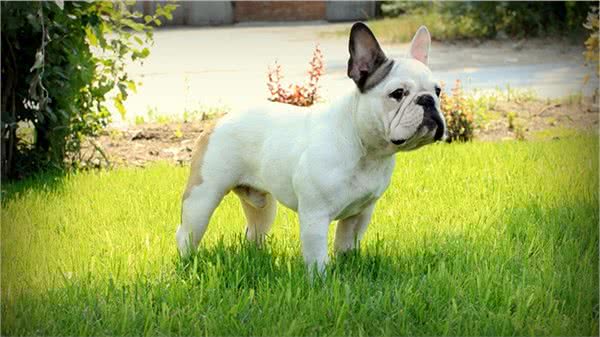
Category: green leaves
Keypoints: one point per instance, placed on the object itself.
(138, 27)
(165, 11)
(117, 19)
(119, 104)
(91, 37)
(131, 85)
(64, 60)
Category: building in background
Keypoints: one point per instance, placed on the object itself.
(203, 13)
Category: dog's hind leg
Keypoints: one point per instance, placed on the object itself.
(196, 211)
(260, 209)
(206, 187)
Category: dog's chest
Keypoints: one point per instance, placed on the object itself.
(356, 206)
(362, 189)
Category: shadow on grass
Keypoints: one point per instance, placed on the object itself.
(239, 264)
(242, 264)
(50, 181)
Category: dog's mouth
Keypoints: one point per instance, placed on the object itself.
(431, 130)
(421, 137)
(434, 125)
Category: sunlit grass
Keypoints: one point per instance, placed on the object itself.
(470, 239)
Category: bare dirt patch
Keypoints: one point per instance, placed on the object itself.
(142, 144)
(538, 119)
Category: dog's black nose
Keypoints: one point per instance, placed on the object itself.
(425, 101)
(398, 141)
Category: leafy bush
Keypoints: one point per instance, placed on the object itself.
(486, 19)
(297, 94)
(520, 19)
(458, 114)
(60, 64)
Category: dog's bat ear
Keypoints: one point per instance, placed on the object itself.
(419, 47)
(365, 54)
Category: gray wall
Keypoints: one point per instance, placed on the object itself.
(193, 13)
(350, 10)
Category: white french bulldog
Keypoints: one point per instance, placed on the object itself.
(327, 163)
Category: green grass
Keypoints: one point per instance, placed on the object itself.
(470, 239)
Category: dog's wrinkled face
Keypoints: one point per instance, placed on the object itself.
(399, 98)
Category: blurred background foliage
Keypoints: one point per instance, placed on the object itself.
(492, 19)
(592, 52)
(63, 64)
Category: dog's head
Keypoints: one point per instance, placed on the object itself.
(399, 99)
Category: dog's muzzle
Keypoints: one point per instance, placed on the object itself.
(432, 118)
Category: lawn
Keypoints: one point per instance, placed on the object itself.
(470, 239)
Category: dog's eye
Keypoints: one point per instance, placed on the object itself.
(438, 91)
(398, 94)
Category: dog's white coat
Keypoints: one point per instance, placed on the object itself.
(327, 163)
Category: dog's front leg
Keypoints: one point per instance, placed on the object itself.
(314, 228)
(350, 231)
